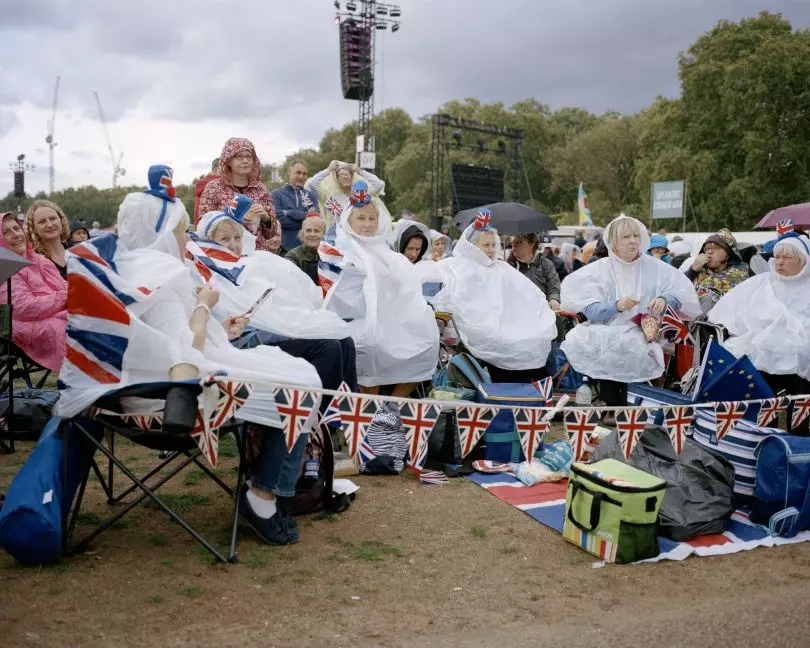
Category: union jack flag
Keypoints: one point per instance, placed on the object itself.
(801, 410)
(472, 422)
(545, 388)
(784, 226)
(356, 415)
(334, 207)
(333, 411)
(630, 423)
(419, 420)
(531, 429)
(678, 421)
(210, 258)
(360, 195)
(493, 467)
(294, 407)
(770, 409)
(673, 327)
(727, 415)
(580, 426)
(329, 265)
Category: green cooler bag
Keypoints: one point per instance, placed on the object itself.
(611, 510)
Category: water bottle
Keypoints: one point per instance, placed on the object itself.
(584, 395)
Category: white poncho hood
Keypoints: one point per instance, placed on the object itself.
(768, 317)
(393, 327)
(500, 315)
(616, 349)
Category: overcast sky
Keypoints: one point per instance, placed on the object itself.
(178, 77)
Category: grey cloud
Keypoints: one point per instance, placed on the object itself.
(8, 121)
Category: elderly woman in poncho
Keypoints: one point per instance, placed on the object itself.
(333, 186)
(610, 292)
(379, 292)
(292, 319)
(768, 317)
(501, 316)
(171, 327)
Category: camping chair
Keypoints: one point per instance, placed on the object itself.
(14, 365)
(163, 431)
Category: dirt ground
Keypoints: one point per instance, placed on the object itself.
(406, 565)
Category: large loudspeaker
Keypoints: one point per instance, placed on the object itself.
(474, 186)
(19, 184)
(356, 75)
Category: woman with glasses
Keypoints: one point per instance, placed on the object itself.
(240, 173)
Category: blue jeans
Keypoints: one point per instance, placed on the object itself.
(277, 470)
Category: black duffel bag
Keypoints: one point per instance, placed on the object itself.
(32, 411)
(700, 483)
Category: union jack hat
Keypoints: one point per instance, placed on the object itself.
(483, 220)
(360, 195)
(237, 208)
(784, 226)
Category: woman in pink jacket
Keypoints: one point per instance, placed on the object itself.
(38, 299)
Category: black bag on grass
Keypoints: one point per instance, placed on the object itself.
(313, 491)
(32, 411)
(700, 483)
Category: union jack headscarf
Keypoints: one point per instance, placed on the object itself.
(160, 185)
(360, 195)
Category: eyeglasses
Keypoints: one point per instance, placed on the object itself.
(244, 156)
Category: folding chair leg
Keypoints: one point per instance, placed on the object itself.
(240, 482)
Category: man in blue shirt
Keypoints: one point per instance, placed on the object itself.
(293, 203)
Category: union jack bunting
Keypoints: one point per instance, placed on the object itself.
(728, 414)
(673, 327)
(770, 409)
(580, 426)
(801, 409)
(333, 206)
(630, 424)
(544, 387)
(364, 454)
(356, 415)
(531, 429)
(210, 258)
(206, 438)
(232, 395)
(472, 423)
(294, 407)
(433, 477)
(333, 411)
(678, 421)
(145, 422)
(418, 419)
(784, 226)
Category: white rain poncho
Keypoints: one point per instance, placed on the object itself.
(616, 349)
(500, 315)
(435, 235)
(161, 337)
(393, 328)
(294, 310)
(768, 317)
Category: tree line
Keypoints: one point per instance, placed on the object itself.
(737, 133)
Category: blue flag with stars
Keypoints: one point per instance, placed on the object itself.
(726, 378)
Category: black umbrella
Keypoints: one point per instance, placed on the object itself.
(509, 218)
(10, 263)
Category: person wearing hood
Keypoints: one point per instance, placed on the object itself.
(572, 257)
(411, 239)
(379, 292)
(768, 317)
(610, 292)
(536, 267)
(717, 269)
(293, 204)
(305, 256)
(239, 172)
(440, 245)
(500, 317)
(171, 329)
(659, 248)
(78, 234)
(333, 186)
(38, 300)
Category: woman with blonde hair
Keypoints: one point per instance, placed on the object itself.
(334, 187)
(47, 230)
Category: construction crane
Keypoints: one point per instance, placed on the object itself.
(51, 141)
(116, 164)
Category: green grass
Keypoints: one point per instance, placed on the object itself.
(193, 477)
(193, 591)
(160, 539)
(259, 557)
(155, 599)
(180, 503)
(373, 551)
(479, 531)
(227, 447)
(88, 517)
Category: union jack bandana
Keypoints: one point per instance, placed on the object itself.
(784, 226)
(360, 195)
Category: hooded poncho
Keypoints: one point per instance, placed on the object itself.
(768, 317)
(500, 315)
(616, 349)
(379, 290)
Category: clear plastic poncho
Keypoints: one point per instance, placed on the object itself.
(393, 328)
(500, 315)
(768, 317)
(294, 310)
(616, 349)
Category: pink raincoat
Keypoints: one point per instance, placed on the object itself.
(39, 309)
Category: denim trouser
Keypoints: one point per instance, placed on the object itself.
(277, 470)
